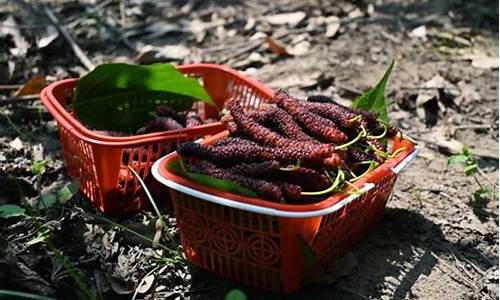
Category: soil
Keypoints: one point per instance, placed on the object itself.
(436, 240)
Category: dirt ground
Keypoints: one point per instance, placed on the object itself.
(435, 240)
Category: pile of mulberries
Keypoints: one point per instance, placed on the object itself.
(292, 150)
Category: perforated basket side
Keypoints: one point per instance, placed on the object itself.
(339, 231)
(233, 243)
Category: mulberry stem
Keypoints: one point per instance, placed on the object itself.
(392, 155)
(371, 167)
(376, 137)
(361, 134)
(335, 184)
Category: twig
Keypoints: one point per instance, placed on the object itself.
(472, 126)
(123, 17)
(10, 86)
(390, 37)
(19, 99)
(86, 62)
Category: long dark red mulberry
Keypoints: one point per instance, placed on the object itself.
(193, 119)
(333, 112)
(391, 131)
(283, 122)
(369, 119)
(165, 111)
(264, 135)
(264, 168)
(320, 99)
(307, 178)
(322, 128)
(234, 141)
(262, 188)
(290, 191)
(252, 153)
(161, 124)
(354, 155)
(228, 122)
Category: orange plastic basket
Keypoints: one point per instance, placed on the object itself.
(101, 162)
(261, 243)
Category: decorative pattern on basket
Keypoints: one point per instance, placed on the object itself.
(101, 162)
(339, 231)
(240, 245)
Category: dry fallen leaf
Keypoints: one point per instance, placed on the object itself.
(150, 54)
(276, 47)
(16, 144)
(431, 90)
(51, 33)
(332, 26)
(485, 62)
(299, 49)
(9, 27)
(147, 282)
(292, 19)
(301, 80)
(33, 87)
(419, 32)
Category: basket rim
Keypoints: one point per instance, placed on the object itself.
(71, 123)
(326, 206)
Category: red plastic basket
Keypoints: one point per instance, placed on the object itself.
(100, 162)
(261, 243)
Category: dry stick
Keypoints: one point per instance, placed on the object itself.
(20, 99)
(86, 62)
(10, 86)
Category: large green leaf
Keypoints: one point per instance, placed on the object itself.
(374, 99)
(120, 96)
(177, 167)
(11, 210)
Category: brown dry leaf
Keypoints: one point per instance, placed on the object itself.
(33, 87)
(276, 47)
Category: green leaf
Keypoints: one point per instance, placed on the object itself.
(47, 200)
(106, 98)
(22, 295)
(457, 159)
(235, 294)
(68, 191)
(374, 99)
(38, 167)
(10, 211)
(41, 238)
(177, 167)
(62, 196)
(470, 169)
